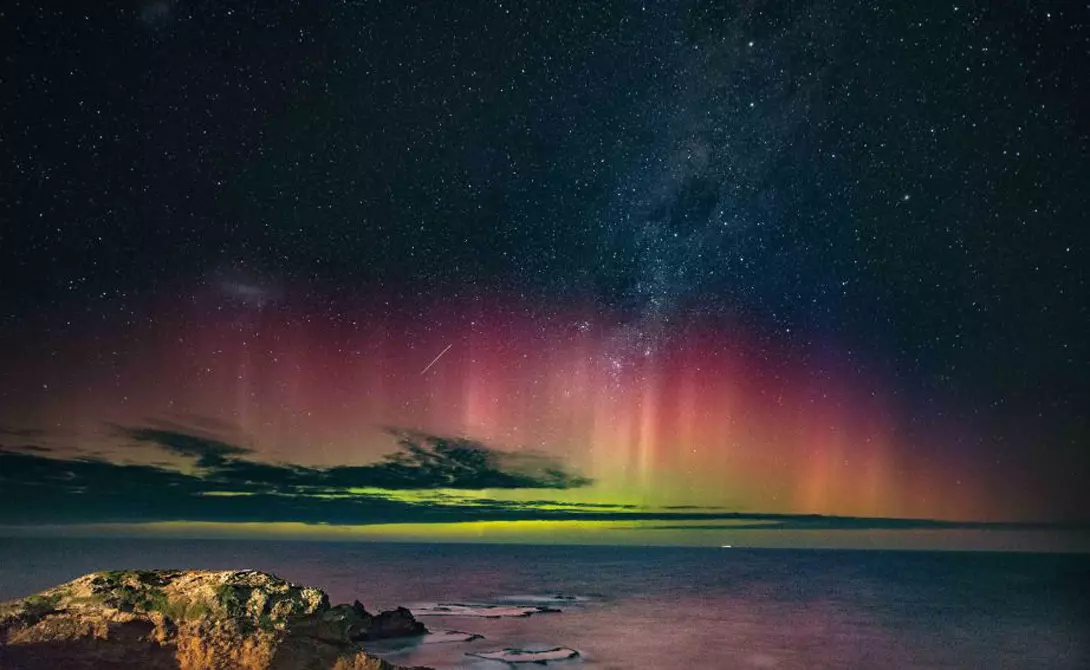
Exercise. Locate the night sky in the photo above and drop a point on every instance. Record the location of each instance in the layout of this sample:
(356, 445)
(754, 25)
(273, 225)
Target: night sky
(358, 263)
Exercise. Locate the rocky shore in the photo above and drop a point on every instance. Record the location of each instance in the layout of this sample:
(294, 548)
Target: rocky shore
(192, 620)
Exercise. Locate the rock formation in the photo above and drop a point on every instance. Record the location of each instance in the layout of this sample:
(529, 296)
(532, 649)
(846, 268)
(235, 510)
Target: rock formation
(191, 620)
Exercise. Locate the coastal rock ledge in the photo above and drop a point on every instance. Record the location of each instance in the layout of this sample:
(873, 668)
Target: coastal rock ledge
(191, 620)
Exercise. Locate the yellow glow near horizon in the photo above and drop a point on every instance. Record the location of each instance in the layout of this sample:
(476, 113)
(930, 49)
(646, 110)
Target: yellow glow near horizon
(598, 533)
(580, 501)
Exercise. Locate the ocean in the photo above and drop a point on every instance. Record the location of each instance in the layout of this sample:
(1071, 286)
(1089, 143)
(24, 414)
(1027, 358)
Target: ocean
(658, 607)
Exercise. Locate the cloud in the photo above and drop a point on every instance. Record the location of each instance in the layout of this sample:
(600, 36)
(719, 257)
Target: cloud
(423, 461)
(743, 521)
(429, 461)
(36, 488)
(39, 486)
(32, 448)
(20, 432)
(208, 452)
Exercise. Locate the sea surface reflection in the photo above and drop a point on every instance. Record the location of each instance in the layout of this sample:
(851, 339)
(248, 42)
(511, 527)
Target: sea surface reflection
(662, 607)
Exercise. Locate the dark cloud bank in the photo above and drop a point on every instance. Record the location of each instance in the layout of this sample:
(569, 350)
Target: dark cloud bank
(39, 487)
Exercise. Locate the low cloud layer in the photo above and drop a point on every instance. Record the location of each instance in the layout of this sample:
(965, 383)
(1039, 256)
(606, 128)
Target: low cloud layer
(40, 486)
(209, 453)
(423, 461)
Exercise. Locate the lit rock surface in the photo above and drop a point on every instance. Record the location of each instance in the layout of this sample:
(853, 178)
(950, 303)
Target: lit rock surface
(540, 657)
(487, 611)
(191, 620)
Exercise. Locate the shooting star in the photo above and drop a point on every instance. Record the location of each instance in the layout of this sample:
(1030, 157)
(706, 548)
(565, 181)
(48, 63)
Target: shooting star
(436, 358)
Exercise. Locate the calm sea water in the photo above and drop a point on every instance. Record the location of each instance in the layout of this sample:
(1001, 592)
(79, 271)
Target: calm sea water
(665, 607)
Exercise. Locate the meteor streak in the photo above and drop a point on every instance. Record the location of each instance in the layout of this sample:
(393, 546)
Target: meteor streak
(436, 358)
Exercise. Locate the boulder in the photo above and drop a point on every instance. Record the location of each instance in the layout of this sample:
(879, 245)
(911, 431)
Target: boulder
(191, 620)
(395, 623)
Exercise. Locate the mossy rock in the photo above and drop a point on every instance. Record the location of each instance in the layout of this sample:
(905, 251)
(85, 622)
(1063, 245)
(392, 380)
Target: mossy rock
(183, 619)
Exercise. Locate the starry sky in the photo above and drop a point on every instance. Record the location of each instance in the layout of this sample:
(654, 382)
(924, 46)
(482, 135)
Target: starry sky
(678, 266)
